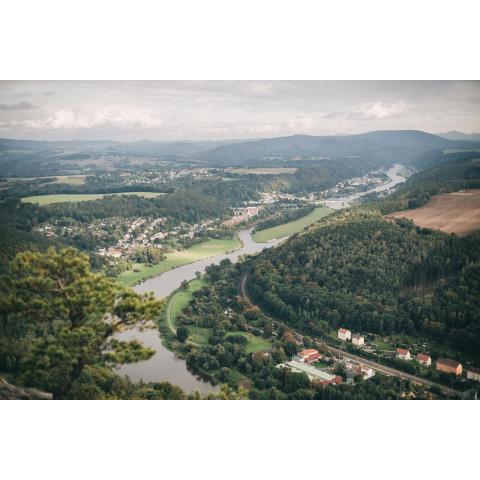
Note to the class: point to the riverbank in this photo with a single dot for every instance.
(175, 259)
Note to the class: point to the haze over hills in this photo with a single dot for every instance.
(455, 135)
(380, 147)
(408, 143)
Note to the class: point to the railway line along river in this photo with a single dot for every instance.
(165, 365)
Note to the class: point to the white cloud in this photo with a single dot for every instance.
(71, 119)
(381, 110)
(301, 124)
(372, 111)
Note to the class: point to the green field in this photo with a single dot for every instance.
(73, 197)
(71, 179)
(290, 228)
(179, 300)
(178, 258)
(255, 344)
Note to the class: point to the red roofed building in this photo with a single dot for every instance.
(423, 359)
(403, 354)
(308, 356)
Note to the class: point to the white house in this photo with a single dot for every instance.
(344, 334)
(358, 339)
(403, 354)
(423, 359)
(473, 374)
(366, 371)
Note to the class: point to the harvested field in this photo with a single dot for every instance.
(457, 212)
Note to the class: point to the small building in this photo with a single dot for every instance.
(403, 354)
(314, 374)
(357, 339)
(308, 356)
(424, 359)
(344, 334)
(473, 374)
(449, 366)
(252, 211)
(365, 371)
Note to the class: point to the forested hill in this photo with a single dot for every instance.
(357, 269)
(390, 146)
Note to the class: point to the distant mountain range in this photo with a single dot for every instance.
(389, 143)
(380, 147)
(455, 135)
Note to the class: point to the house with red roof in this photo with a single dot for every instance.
(308, 356)
(403, 354)
(424, 359)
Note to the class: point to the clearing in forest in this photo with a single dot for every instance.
(457, 212)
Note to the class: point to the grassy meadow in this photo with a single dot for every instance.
(74, 197)
(290, 228)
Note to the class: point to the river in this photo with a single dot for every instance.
(345, 202)
(166, 366)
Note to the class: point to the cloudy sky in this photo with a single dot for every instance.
(203, 110)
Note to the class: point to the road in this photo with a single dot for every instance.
(378, 367)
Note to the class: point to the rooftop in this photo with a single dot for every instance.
(449, 362)
(311, 371)
(307, 352)
(423, 357)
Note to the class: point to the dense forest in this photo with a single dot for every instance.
(357, 269)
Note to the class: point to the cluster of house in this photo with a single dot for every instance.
(142, 233)
(302, 362)
(446, 365)
(346, 335)
(241, 215)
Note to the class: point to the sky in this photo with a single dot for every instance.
(216, 110)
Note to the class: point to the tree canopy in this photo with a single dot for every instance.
(57, 317)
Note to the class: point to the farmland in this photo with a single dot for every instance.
(68, 198)
(178, 258)
(457, 212)
(290, 228)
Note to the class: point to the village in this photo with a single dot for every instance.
(330, 368)
(445, 365)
